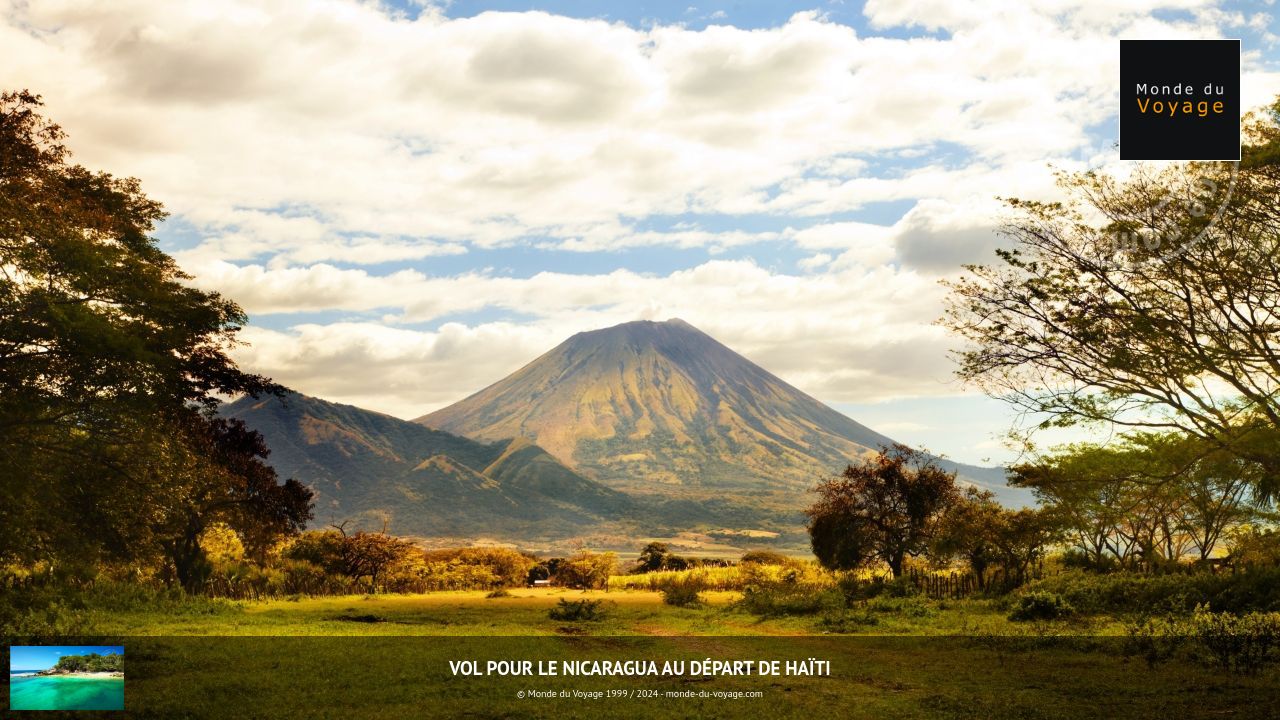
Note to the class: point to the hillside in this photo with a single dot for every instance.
(366, 467)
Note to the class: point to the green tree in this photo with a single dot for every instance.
(1146, 498)
(1020, 538)
(587, 570)
(1138, 303)
(883, 510)
(653, 557)
(968, 530)
(111, 366)
(1091, 492)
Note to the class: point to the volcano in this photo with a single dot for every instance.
(662, 408)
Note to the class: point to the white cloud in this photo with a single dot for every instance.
(856, 335)
(301, 139)
(506, 126)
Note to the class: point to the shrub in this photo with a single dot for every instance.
(683, 591)
(499, 593)
(1235, 643)
(844, 621)
(1238, 643)
(577, 611)
(1155, 639)
(914, 606)
(1038, 605)
(1251, 546)
(1256, 589)
(772, 600)
(765, 557)
(899, 587)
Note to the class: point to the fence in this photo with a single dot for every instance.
(957, 585)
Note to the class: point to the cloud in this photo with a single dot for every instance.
(307, 145)
(505, 127)
(857, 335)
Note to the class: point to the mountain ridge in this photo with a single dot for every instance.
(370, 467)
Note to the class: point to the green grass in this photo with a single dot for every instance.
(393, 677)
(629, 612)
(387, 656)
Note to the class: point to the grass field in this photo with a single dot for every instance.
(627, 612)
(387, 656)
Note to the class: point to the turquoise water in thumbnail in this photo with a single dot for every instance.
(65, 693)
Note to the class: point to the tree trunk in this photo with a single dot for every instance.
(895, 564)
(186, 553)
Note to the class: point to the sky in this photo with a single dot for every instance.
(412, 200)
(43, 657)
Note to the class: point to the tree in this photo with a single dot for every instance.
(883, 510)
(986, 535)
(1161, 316)
(1145, 499)
(968, 530)
(369, 554)
(217, 465)
(1020, 538)
(587, 570)
(1215, 487)
(111, 368)
(653, 557)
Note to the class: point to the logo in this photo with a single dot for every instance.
(1180, 100)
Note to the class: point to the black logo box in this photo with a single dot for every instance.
(1187, 68)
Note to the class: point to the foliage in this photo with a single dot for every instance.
(1256, 589)
(844, 621)
(221, 544)
(978, 530)
(1155, 638)
(93, 662)
(655, 556)
(684, 591)
(385, 563)
(587, 570)
(1147, 302)
(1143, 501)
(1254, 546)
(111, 366)
(1039, 605)
(765, 557)
(715, 578)
(578, 611)
(788, 590)
(1237, 643)
(884, 510)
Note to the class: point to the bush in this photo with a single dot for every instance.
(1155, 639)
(1037, 605)
(1256, 589)
(1251, 546)
(914, 606)
(765, 557)
(577, 611)
(1237, 643)
(587, 570)
(845, 621)
(899, 587)
(683, 591)
(772, 600)
(499, 593)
